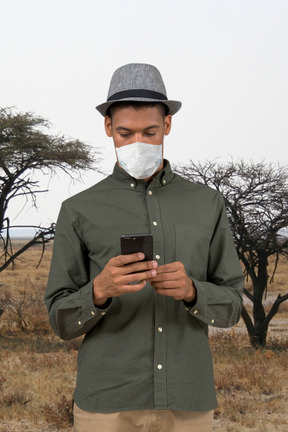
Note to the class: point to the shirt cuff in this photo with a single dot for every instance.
(189, 305)
(105, 306)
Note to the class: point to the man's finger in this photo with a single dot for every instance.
(170, 293)
(144, 275)
(140, 266)
(162, 277)
(167, 284)
(122, 260)
(169, 268)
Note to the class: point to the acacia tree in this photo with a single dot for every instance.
(26, 148)
(256, 197)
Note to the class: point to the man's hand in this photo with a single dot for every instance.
(172, 281)
(118, 274)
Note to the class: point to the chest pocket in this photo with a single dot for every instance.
(192, 249)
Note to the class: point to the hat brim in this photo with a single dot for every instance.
(173, 106)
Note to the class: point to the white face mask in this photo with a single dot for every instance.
(140, 160)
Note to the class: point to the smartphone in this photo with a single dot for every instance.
(132, 243)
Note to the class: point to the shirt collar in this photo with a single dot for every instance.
(161, 179)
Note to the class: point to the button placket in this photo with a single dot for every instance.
(160, 349)
(154, 216)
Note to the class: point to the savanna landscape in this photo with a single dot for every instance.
(38, 370)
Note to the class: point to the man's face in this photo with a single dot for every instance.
(145, 125)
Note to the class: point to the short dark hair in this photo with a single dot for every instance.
(137, 105)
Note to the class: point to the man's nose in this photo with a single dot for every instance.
(138, 137)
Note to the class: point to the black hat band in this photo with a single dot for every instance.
(149, 94)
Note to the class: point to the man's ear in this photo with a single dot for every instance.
(167, 124)
(108, 126)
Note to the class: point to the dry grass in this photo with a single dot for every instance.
(38, 370)
(251, 385)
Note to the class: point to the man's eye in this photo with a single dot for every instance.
(125, 135)
(150, 134)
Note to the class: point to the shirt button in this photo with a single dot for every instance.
(212, 321)
(160, 329)
(195, 312)
(132, 185)
(155, 223)
(92, 313)
(103, 313)
(150, 192)
(157, 257)
(79, 323)
(163, 181)
(159, 366)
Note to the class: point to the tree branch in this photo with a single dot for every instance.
(249, 295)
(273, 311)
(248, 322)
(41, 235)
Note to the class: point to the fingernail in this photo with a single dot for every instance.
(141, 255)
(154, 264)
(153, 272)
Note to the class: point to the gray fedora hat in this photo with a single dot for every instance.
(138, 82)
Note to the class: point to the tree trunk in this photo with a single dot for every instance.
(257, 325)
(259, 335)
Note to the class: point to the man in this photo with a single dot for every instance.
(145, 362)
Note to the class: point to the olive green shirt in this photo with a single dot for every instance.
(144, 350)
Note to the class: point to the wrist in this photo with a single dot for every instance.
(192, 296)
(99, 303)
(105, 305)
(98, 298)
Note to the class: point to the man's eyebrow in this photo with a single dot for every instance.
(152, 127)
(127, 129)
(122, 128)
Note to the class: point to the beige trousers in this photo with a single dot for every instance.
(143, 421)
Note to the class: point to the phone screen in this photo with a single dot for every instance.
(132, 243)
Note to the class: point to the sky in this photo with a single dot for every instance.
(226, 60)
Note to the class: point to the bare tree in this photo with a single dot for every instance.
(25, 150)
(256, 196)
